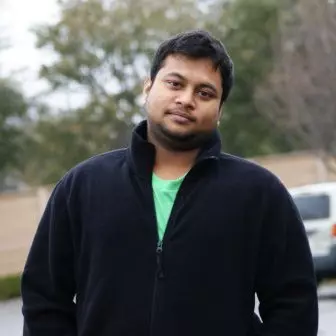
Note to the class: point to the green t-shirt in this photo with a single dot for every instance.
(164, 197)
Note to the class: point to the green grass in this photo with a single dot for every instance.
(10, 287)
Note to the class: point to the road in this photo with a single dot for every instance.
(11, 319)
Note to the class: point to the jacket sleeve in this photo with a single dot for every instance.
(286, 285)
(48, 281)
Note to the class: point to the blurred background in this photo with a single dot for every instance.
(71, 75)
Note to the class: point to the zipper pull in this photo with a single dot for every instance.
(159, 250)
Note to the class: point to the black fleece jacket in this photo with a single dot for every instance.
(233, 232)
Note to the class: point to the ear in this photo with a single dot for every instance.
(220, 113)
(147, 86)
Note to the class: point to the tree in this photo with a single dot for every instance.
(299, 95)
(249, 29)
(58, 142)
(13, 109)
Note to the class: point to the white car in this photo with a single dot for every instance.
(317, 206)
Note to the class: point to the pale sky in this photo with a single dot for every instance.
(16, 19)
(22, 60)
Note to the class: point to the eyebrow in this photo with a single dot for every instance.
(203, 85)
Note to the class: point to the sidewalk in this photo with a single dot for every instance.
(10, 318)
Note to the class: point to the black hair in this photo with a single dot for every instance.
(197, 44)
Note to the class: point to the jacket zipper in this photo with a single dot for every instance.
(159, 250)
(158, 275)
(159, 246)
(159, 259)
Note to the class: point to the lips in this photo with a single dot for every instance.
(181, 115)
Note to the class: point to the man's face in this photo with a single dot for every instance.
(183, 102)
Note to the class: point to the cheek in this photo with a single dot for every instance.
(157, 103)
(209, 117)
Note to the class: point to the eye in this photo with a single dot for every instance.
(173, 84)
(206, 94)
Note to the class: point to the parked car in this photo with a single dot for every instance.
(317, 206)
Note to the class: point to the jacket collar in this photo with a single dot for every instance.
(141, 153)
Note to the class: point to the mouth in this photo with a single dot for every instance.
(181, 116)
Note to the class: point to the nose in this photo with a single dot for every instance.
(186, 99)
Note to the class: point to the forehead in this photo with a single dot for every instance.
(195, 70)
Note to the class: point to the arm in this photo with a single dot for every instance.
(286, 285)
(48, 283)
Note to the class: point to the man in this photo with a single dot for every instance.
(170, 236)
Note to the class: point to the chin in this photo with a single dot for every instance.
(178, 137)
(180, 132)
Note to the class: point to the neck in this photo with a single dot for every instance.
(171, 165)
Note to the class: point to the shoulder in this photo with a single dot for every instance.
(250, 174)
(95, 170)
(244, 168)
(100, 162)
(261, 185)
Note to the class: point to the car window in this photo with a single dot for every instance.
(313, 206)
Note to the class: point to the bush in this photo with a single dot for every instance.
(10, 287)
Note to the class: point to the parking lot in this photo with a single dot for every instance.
(11, 319)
